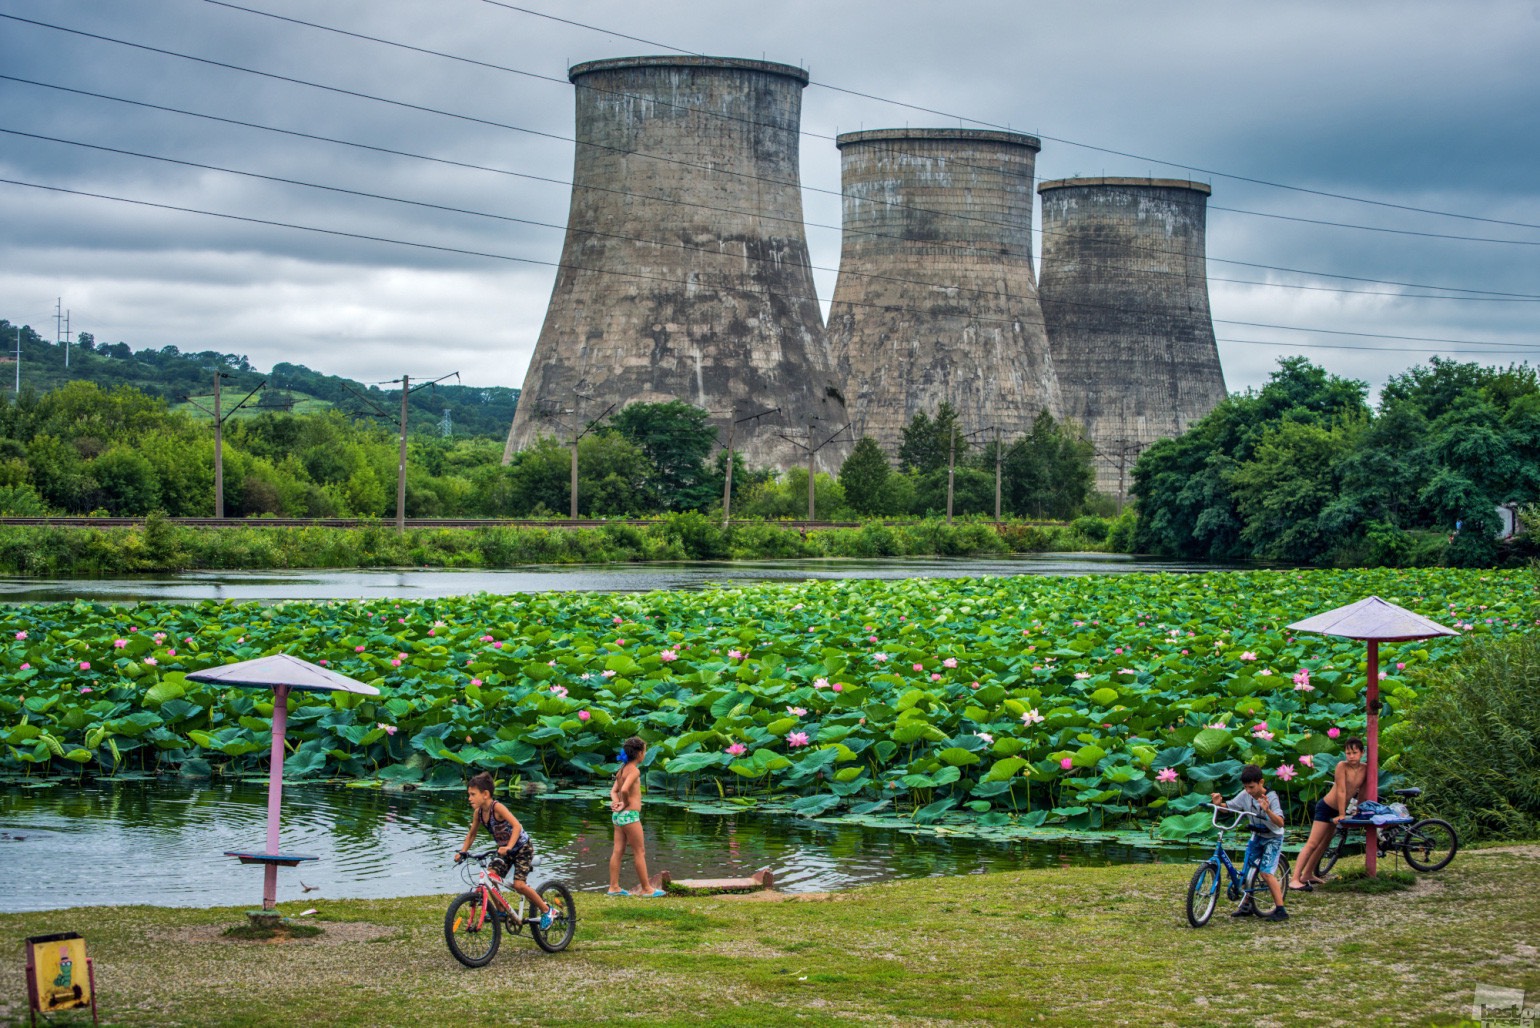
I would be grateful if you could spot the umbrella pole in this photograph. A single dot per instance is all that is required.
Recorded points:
(275, 795)
(1372, 743)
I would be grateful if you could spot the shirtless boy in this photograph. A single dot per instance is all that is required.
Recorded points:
(1351, 776)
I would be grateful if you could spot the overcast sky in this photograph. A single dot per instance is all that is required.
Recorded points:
(1427, 105)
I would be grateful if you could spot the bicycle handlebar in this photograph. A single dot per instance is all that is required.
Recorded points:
(1220, 809)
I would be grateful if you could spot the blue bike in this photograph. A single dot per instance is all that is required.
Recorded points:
(1203, 893)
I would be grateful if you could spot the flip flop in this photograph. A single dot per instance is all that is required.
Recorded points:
(655, 894)
(1307, 887)
(622, 892)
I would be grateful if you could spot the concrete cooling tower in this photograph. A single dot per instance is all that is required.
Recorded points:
(935, 298)
(685, 269)
(1125, 295)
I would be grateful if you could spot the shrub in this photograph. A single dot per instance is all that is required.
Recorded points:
(1120, 535)
(1094, 529)
(1474, 741)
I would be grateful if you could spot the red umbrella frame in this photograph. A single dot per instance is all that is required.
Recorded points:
(1373, 621)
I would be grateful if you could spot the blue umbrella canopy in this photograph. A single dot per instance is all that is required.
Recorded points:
(282, 669)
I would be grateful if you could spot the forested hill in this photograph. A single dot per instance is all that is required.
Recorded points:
(178, 377)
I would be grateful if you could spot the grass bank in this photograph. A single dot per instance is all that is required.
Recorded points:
(160, 546)
(1066, 946)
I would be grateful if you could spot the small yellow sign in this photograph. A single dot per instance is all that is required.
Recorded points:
(60, 973)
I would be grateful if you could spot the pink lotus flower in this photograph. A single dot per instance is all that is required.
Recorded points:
(796, 711)
(988, 739)
(172, 653)
(1384, 675)
(323, 661)
(607, 673)
(1265, 673)
(486, 638)
(737, 749)
(615, 619)
(620, 642)
(820, 683)
(395, 662)
(358, 649)
(1400, 665)
(151, 661)
(734, 654)
(935, 677)
(1307, 760)
(400, 656)
(1032, 717)
(1184, 653)
(919, 667)
(1082, 674)
(85, 665)
(1066, 763)
(1332, 733)
(188, 640)
(389, 729)
(1285, 771)
(1264, 736)
(159, 638)
(475, 681)
(973, 685)
(118, 644)
(668, 656)
(1128, 671)
(1248, 655)
(497, 645)
(560, 691)
(433, 631)
(838, 687)
(879, 657)
(1166, 775)
(584, 715)
(871, 638)
(135, 628)
(796, 739)
(1302, 676)
(21, 635)
(949, 662)
(26, 667)
(86, 689)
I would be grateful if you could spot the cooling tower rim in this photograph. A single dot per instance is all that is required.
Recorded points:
(1147, 183)
(1020, 139)
(790, 71)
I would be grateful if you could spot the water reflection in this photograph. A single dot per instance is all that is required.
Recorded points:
(430, 583)
(162, 843)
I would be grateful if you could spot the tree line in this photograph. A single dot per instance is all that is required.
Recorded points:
(1305, 470)
(83, 448)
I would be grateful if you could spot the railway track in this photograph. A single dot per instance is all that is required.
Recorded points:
(97, 522)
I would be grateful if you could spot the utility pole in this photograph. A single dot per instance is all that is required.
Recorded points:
(951, 470)
(812, 451)
(18, 360)
(547, 410)
(407, 389)
(727, 486)
(220, 416)
(998, 459)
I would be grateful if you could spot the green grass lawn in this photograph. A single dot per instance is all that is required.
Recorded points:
(1064, 946)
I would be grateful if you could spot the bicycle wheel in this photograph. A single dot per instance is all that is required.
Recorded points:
(472, 939)
(1202, 894)
(1261, 895)
(563, 918)
(1332, 851)
(1430, 844)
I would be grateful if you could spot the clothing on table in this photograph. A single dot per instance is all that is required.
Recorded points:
(1258, 810)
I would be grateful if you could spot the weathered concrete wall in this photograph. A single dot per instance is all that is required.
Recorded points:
(935, 298)
(1125, 296)
(685, 270)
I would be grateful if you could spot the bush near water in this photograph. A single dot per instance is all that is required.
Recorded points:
(1080, 702)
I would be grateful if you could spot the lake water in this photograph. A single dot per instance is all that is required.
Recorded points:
(162, 842)
(429, 583)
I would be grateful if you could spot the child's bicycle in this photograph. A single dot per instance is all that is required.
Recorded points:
(1203, 893)
(1427, 844)
(473, 925)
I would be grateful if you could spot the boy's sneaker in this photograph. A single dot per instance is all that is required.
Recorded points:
(1245, 910)
(1278, 914)
(545, 919)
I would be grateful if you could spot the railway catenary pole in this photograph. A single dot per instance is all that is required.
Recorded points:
(727, 484)
(812, 452)
(406, 393)
(219, 452)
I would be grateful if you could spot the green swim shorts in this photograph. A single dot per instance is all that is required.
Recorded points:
(621, 818)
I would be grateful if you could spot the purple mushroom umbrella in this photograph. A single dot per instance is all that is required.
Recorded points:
(1374, 621)
(281, 673)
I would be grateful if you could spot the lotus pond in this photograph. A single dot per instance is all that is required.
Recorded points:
(999, 706)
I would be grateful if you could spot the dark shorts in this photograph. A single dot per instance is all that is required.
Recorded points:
(1324, 811)
(520, 859)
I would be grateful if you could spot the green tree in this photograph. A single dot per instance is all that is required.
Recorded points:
(864, 477)
(1048, 472)
(927, 441)
(676, 438)
(126, 483)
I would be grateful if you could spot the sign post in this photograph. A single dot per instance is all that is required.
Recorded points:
(59, 975)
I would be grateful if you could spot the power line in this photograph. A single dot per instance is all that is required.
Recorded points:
(624, 274)
(696, 109)
(708, 168)
(950, 116)
(1474, 293)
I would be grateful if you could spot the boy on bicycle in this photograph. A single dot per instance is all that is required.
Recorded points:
(515, 849)
(1266, 846)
